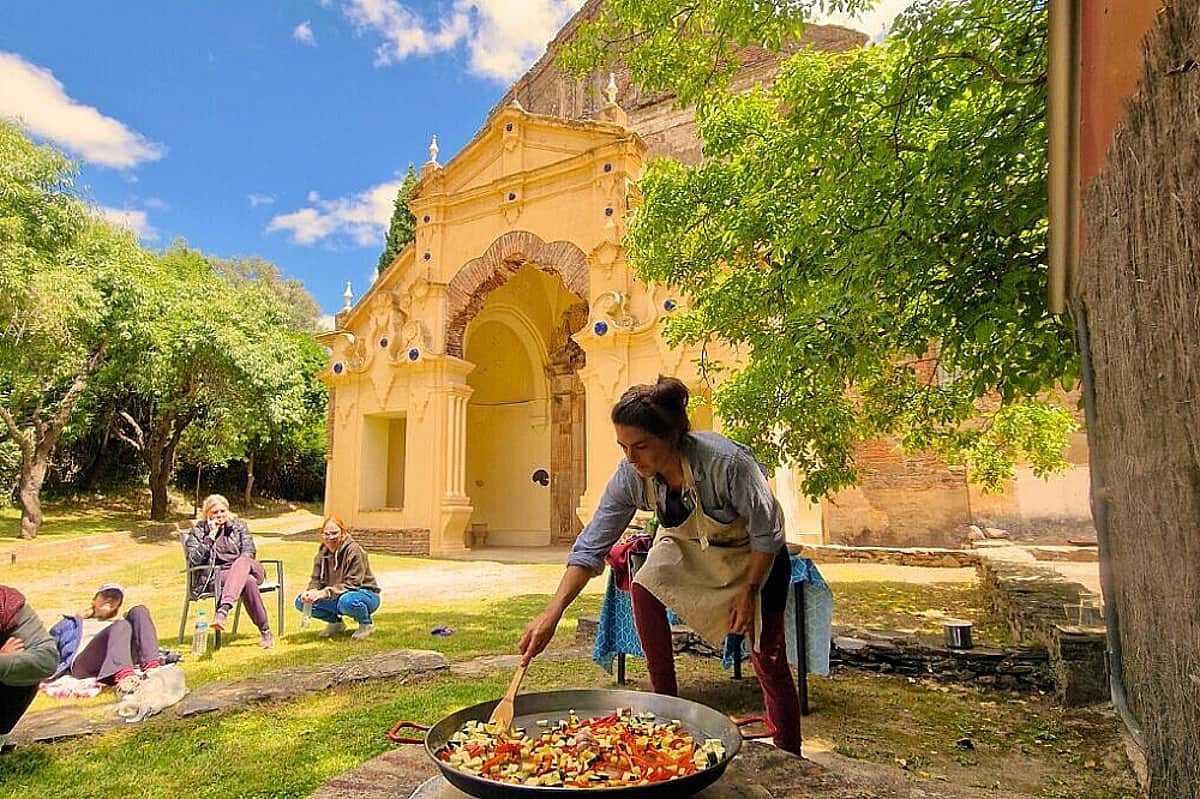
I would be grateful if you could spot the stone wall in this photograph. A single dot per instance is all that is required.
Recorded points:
(910, 656)
(410, 541)
(917, 556)
(1035, 602)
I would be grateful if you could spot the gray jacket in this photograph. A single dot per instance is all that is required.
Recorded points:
(37, 660)
(731, 485)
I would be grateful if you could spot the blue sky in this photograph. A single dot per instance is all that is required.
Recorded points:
(271, 129)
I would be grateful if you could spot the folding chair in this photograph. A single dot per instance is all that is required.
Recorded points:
(193, 592)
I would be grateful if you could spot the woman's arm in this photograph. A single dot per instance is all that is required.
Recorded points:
(30, 655)
(538, 632)
(198, 546)
(246, 541)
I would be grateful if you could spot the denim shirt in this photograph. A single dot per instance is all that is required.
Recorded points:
(731, 485)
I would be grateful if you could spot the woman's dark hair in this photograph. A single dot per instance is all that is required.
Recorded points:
(660, 410)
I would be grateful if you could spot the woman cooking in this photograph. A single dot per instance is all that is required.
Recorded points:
(718, 559)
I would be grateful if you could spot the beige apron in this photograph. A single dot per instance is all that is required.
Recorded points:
(697, 568)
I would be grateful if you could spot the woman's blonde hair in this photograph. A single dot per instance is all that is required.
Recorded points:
(213, 500)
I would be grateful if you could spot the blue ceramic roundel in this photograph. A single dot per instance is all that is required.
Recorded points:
(600, 327)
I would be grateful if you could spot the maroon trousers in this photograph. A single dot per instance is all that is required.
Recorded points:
(770, 664)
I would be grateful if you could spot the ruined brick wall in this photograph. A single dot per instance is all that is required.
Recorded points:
(409, 541)
(669, 131)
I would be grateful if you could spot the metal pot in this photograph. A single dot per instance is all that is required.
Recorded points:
(702, 721)
(958, 634)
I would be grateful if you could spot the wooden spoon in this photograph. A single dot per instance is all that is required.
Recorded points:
(503, 714)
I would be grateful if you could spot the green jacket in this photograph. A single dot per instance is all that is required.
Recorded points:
(37, 660)
(344, 569)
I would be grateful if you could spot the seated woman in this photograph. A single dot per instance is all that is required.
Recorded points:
(222, 542)
(27, 656)
(95, 643)
(342, 583)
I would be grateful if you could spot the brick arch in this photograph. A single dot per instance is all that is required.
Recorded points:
(483, 275)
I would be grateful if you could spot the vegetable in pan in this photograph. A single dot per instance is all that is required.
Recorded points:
(618, 750)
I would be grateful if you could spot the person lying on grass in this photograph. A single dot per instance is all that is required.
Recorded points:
(341, 584)
(95, 643)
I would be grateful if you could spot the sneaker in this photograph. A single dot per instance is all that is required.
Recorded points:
(363, 631)
(129, 683)
(266, 641)
(332, 628)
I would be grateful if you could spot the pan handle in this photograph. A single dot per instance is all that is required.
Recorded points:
(768, 728)
(395, 737)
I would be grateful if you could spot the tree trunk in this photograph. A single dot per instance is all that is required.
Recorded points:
(159, 479)
(249, 479)
(30, 490)
(162, 461)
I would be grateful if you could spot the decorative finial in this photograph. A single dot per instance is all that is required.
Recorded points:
(348, 296)
(433, 150)
(611, 91)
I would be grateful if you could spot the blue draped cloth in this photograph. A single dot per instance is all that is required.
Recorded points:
(616, 632)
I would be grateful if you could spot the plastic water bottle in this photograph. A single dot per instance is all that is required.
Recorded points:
(200, 636)
(305, 614)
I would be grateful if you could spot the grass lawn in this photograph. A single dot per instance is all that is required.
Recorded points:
(89, 514)
(287, 750)
(1017, 743)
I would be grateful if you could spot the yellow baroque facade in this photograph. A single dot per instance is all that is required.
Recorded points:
(471, 386)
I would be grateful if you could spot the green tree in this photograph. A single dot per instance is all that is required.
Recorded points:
(869, 234)
(303, 311)
(403, 228)
(70, 291)
(220, 365)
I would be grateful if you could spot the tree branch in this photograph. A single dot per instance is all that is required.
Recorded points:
(137, 443)
(987, 66)
(21, 438)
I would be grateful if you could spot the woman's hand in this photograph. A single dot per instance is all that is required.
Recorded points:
(741, 611)
(12, 645)
(310, 595)
(537, 635)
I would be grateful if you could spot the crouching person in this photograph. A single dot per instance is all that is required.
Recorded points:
(28, 655)
(342, 583)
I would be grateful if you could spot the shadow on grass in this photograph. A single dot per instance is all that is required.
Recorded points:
(916, 607)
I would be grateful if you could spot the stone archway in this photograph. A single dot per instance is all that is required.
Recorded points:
(469, 303)
(480, 276)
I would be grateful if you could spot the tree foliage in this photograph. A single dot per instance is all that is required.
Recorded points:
(403, 228)
(869, 235)
(221, 370)
(70, 292)
(176, 353)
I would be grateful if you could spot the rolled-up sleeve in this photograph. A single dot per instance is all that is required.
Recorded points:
(612, 516)
(754, 502)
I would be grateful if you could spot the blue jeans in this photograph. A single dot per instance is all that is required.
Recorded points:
(357, 604)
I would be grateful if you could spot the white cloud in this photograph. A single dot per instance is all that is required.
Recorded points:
(134, 221)
(313, 197)
(362, 218)
(502, 37)
(33, 95)
(875, 23)
(256, 200)
(155, 203)
(303, 33)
